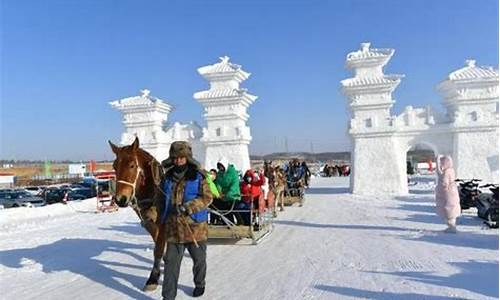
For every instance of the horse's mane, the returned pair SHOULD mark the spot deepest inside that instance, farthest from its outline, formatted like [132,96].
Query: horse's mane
[143,154]
[146,156]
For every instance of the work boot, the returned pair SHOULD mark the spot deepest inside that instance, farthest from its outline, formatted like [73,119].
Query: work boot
[198,291]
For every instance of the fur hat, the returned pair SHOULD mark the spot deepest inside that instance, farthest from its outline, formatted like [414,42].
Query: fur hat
[178,149]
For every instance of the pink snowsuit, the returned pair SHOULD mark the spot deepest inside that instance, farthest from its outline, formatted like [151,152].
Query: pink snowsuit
[447,198]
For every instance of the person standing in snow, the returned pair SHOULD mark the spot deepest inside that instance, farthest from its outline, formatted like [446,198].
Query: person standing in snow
[447,198]
[184,215]
[307,173]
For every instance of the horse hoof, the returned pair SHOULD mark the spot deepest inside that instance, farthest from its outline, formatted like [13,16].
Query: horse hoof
[150,287]
[282,209]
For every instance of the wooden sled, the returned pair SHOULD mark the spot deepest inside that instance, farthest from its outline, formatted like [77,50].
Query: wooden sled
[260,225]
[294,195]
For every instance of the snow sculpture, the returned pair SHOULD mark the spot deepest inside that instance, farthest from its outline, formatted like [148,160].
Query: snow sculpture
[146,117]
[225,106]
[380,141]
[471,97]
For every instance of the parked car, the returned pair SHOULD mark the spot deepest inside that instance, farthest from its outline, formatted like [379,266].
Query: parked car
[20,198]
[53,195]
[56,195]
[76,186]
[81,193]
[34,190]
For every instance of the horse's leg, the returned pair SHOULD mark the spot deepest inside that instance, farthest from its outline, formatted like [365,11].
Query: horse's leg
[159,239]
[275,206]
[282,198]
[157,234]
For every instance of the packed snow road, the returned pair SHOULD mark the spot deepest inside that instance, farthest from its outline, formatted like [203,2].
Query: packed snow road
[338,246]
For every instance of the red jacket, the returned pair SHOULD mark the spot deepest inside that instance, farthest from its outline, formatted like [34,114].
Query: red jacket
[253,189]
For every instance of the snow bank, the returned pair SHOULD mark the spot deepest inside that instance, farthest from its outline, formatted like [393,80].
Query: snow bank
[24,216]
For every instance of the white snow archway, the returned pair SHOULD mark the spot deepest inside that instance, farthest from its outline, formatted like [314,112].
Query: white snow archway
[468,131]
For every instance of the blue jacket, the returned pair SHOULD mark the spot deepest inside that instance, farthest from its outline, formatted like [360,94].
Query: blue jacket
[296,173]
[191,192]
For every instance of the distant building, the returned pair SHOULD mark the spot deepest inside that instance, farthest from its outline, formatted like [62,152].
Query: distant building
[77,169]
[6,180]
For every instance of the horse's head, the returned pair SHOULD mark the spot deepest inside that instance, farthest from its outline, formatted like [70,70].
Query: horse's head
[129,172]
[268,169]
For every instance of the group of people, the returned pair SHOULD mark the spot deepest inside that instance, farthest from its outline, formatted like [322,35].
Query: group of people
[236,194]
[336,170]
[189,191]
[297,173]
[233,192]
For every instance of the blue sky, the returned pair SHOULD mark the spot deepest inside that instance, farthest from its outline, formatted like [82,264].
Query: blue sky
[63,61]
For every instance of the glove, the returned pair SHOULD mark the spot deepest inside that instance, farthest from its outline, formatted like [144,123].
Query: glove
[181,210]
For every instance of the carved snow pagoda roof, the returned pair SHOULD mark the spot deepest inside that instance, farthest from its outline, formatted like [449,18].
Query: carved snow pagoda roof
[365,81]
[457,83]
[367,56]
[225,69]
[143,100]
[473,72]
[225,93]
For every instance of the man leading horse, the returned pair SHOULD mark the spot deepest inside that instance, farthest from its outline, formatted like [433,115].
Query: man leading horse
[172,208]
[185,216]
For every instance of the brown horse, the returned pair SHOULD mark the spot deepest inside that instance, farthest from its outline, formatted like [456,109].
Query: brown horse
[138,184]
[277,182]
[279,187]
[269,173]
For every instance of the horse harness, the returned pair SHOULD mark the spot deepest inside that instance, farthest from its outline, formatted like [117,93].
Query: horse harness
[134,201]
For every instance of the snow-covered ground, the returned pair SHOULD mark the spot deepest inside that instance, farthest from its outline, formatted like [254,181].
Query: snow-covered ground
[338,246]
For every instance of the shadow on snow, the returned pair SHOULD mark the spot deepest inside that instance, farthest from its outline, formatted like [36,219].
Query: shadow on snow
[341,226]
[364,294]
[327,190]
[79,256]
[460,239]
[480,277]
[130,227]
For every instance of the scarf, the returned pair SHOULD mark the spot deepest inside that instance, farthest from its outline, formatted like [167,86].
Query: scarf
[178,172]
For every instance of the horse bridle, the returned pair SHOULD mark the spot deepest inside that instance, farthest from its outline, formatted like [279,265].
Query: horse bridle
[134,203]
[133,200]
